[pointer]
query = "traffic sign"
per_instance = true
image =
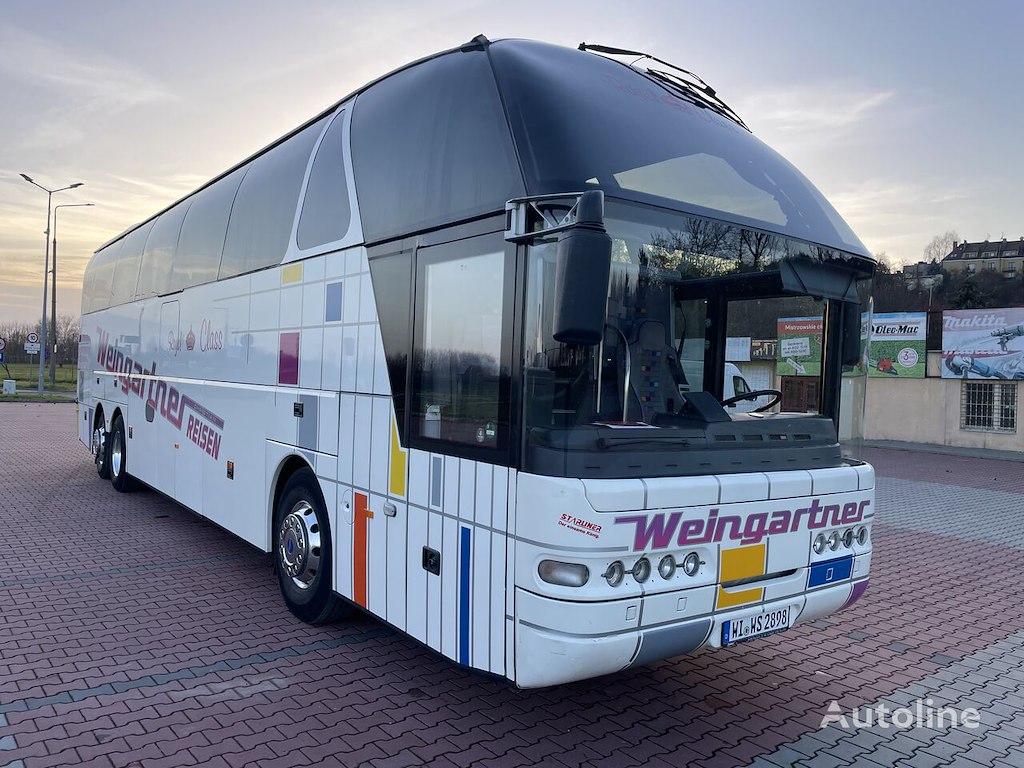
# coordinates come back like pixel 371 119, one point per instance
pixel 3 343
pixel 32 338
pixel 1 356
pixel 32 349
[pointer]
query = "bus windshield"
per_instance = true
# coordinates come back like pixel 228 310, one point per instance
pixel 681 287
pixel 588 122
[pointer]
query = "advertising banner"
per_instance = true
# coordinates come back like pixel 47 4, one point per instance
pixel 898 345
pixel 799 352
pixel 983 344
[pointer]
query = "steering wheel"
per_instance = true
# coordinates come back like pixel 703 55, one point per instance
pixel 775 394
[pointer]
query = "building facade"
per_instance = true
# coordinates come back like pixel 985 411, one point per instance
pixel 1005 257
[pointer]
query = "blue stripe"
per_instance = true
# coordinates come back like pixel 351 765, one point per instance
pixel 830 571
pixel 464 598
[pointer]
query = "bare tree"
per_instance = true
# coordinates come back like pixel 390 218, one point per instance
pixel 941 246
pixel 67 339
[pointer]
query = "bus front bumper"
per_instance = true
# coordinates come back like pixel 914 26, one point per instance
pixel 546 656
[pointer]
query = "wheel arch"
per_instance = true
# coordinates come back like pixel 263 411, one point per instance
pixel 99 418
pixel 287 467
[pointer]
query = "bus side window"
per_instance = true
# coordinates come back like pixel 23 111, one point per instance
pixel 462 346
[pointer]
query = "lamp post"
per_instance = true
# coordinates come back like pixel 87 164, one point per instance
pixel 46 267
pixel 53 306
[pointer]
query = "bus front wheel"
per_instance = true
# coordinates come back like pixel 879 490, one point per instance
pixel 303 554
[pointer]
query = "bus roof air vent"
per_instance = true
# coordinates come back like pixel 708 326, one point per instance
pixel 478 43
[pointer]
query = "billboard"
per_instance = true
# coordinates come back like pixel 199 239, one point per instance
pixel 799 350
pixel 898 345
pixel 983 343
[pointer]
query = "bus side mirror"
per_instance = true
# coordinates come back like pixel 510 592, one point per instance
pixel 582 270
pixel 851 351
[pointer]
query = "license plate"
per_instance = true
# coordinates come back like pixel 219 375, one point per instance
pixel 758 625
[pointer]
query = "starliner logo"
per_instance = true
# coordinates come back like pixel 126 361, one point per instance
pixel 161 396
pixel 656 531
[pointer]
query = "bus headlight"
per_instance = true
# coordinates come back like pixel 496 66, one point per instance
pixel 862 535
pixel 691 564
pixel 819 544
pixel 833 540
pixel 667 567
pixel 563 574
pixel 642 570
pixel 848 538
pixel 615 574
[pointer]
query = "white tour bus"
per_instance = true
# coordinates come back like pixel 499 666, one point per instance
pixel 428 349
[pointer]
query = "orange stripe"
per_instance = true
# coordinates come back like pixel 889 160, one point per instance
pixel 360 550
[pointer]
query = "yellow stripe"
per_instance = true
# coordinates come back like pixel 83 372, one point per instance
pixel 397 462
pixel 291 274
pixel 741 563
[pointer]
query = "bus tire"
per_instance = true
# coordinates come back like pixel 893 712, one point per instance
pixel 303 555
pixel 117 457
pixel 101 449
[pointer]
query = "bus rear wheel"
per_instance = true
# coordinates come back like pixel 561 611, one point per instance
pixel 101 450
pixel 303 555
pixel 117 455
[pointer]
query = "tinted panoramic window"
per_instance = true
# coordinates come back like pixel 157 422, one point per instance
pixel 201 241
pixel 325 210
pixel 158 256
pixel 126 273
pixel 264 208
pixel 583 121
pixel 100 277
pixel 430 145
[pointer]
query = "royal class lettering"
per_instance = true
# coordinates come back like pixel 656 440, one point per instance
pixel 162 397
pixel 659 530
pixel 210 338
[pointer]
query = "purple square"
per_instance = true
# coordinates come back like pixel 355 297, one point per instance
pixel 288 359
pixel 332 313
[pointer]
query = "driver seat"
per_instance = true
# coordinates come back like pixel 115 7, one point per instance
pixel 656 377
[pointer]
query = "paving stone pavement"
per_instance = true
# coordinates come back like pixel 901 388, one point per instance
pixel 133 633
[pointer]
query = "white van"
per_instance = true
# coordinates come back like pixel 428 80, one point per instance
pixel 734 383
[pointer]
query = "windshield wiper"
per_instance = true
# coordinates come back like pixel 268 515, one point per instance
pixel 679 82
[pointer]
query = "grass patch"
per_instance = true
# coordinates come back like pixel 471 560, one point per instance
pixel 34 397
pixel 27 376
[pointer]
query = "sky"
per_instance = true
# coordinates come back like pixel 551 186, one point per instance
pixel 907 114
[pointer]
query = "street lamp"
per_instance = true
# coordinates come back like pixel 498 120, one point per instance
pixel 53 306
pixel 46 267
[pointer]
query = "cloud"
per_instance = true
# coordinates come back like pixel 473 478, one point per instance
pixel 811 112
pixel 900 217
pixel 102 83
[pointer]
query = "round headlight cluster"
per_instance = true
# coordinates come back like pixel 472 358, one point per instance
pixel 667 567
pixel 615 574
pixel 833 539
pixel 642 569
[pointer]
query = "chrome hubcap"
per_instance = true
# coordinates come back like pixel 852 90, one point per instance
pixel 117 453
pixel 299 545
